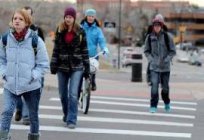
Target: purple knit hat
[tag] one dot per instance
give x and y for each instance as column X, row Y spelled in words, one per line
column 70, row 11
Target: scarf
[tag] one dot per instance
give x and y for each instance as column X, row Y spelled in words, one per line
column 20, row 36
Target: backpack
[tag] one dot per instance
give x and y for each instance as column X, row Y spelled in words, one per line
column 38, row 30
column 34, row 40
column 166, row 37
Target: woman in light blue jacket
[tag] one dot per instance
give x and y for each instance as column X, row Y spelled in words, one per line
column 21, row 67
column 94, row 36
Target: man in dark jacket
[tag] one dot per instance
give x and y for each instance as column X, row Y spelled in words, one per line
column 159, row 57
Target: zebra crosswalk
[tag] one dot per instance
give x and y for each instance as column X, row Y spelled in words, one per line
column 120, row 116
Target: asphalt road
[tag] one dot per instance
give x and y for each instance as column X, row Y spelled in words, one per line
column 118, row 118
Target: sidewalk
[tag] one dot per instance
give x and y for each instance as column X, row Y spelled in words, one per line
column 111, row 87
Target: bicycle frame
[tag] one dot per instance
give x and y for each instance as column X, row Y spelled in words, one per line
column 86, row 86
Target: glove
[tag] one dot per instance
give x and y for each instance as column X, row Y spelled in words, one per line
column 53, row 68
column 86, row 75
column 53, row 71
column 105, row 51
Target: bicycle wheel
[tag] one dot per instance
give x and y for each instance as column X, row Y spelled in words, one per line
column 86, row 96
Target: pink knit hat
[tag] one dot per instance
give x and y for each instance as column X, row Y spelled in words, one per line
column 158, row 19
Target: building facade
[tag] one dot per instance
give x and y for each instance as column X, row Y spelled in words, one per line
column 185, row 23
column 187, row 26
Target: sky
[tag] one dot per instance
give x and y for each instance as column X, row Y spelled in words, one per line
column 200, row 3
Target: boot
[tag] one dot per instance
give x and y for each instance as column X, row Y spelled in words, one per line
column 18, row 115
column 26, row 121
column 4, row 135
column 33, row 136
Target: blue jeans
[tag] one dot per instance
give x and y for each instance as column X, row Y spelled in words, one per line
column 68, row 83
column 156, row 78
column 21, row 105
column 32, row 99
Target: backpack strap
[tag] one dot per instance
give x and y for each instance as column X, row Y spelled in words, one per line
column 166, row 39
column 4, row 39
column 34, row 41
column 149, row 43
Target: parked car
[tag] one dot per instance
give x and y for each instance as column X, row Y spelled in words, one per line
column 195, row 58
column 183, row 56
column 127, row 59
column 185, row 46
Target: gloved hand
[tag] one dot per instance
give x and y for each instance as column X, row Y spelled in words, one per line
column 105, row 52
column 86, row 75
column 53, row 71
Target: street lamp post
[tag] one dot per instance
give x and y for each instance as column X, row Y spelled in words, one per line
column 119, row 34
column 182, row 29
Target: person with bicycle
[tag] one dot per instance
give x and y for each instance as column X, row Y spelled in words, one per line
column 69, row 61
column 95, row 38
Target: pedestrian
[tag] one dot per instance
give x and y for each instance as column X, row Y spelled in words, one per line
column 149, row 30
column 159, row 56
column 22, row 68
column 69, row 60
column 21, row 108
column 95, row 38
column 195, row 57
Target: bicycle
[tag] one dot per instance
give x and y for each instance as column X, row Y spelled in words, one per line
column 85, row 96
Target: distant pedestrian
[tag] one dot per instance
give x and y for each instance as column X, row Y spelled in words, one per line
column 70, row 60
column 195, row 58
column 21, row 108
column 159, row 56
column 95, row 38
column 22, row 68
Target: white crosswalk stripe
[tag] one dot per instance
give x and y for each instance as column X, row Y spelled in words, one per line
column 131, row 104
column 137, row 100
column 126, row 112
column 115, row 120
column 121, row 113
column 107, row 131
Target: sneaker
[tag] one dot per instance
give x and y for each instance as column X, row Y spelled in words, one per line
column 71, row 126
column 18, row 115
column 26, row 121
column 167, row 107
column 153, row 109
column 64, row 118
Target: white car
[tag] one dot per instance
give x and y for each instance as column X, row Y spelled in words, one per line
column 183, row 56
column 127, row 59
